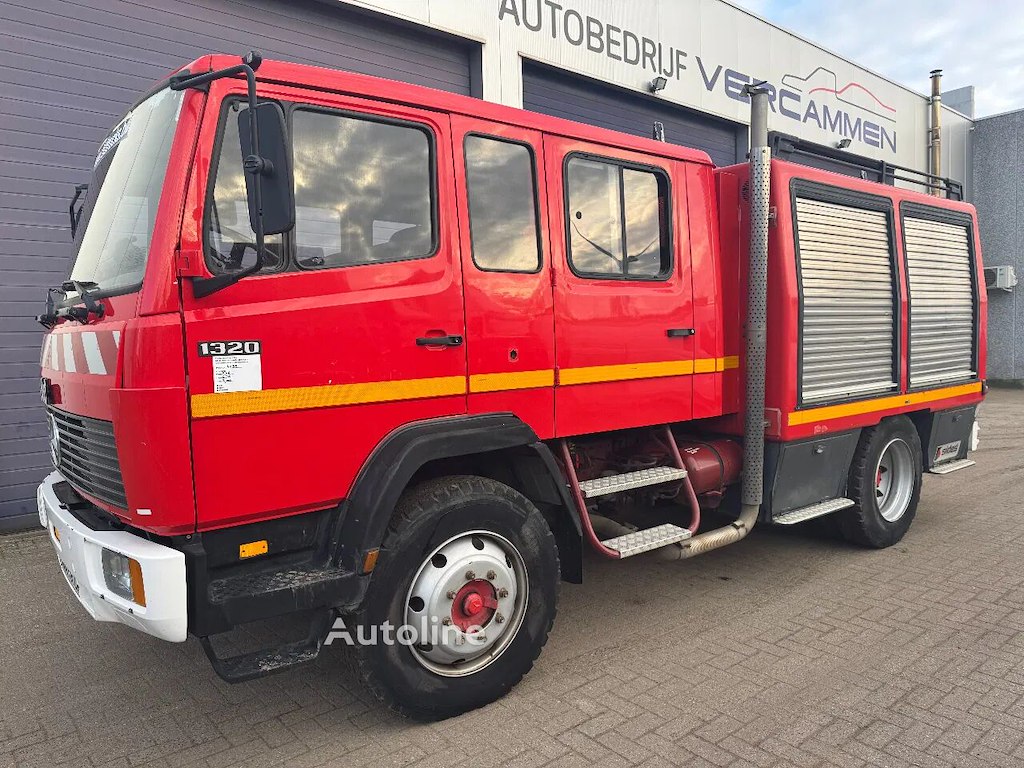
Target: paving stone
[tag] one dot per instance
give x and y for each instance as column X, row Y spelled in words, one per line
column 810, row 652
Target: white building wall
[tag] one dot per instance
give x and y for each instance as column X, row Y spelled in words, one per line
column 706, row 49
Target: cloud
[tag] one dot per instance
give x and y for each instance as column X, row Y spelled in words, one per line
column 976, row 43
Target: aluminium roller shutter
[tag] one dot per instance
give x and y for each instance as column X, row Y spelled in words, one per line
column 943, row 312
column 848, row 301
column 68, row 72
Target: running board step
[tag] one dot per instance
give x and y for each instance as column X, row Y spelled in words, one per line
column 638, row 542
column 602, row 486
column 951, row 466
column 814, row 510
column 249, row 666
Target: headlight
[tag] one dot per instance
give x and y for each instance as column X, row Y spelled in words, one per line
column 123, row 576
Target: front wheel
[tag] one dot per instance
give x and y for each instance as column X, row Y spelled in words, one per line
column 885, row 483
column 469, row 570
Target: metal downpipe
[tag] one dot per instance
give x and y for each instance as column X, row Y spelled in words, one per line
column 757, row 317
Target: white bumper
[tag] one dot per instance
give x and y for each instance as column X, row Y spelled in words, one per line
column 79, row 549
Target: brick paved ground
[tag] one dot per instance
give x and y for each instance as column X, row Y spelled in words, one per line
column 787, row 650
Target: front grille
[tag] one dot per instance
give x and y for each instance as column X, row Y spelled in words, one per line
column 86, row 455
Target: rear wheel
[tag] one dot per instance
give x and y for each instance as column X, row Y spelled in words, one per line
column 470, row 566
column 885, row 483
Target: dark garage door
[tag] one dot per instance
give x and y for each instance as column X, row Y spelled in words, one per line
column 68, row 71
column 561, row 94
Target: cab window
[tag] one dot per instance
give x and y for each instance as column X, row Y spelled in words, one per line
column 363, row 191
column 617, row 220
column 364, row 194
column 501, row 188
column 231, row 243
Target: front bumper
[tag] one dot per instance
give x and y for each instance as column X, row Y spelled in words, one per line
column 79, row 554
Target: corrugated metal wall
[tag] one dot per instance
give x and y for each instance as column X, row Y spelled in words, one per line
column 68, row 71
column 577, row 98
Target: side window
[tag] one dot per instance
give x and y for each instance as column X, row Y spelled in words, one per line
column 363, row 191
column 618, row 220
column 231, row 243
column 501, row 188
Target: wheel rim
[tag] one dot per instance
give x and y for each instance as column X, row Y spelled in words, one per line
column 467, row 602
column 894, row 480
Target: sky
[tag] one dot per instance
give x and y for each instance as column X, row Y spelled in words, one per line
column 977, row 42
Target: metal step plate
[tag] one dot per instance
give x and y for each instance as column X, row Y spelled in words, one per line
column 951, row 466
column 650, row 538
column 812, row 511
column 602, row 486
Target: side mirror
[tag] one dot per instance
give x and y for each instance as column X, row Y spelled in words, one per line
column 271, row 163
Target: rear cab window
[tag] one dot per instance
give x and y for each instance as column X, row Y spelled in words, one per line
column 501, row 188
column 617, row 217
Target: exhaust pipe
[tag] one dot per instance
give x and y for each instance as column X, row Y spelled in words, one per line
column 757, row 334
column 935, row 143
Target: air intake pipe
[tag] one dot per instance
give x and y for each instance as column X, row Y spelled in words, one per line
column 757, row 335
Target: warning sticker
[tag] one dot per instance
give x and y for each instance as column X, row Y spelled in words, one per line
column 237, row 373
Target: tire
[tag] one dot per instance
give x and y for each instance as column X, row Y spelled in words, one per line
column 478, row 523
column 885, row 484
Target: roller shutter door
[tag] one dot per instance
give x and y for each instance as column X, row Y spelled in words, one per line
column 560, row 94
column 68, row 72
column 848, row 302
column 943, row 315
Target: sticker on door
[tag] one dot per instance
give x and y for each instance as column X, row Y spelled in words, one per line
column 237, row 373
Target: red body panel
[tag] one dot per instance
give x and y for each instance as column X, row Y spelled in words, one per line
column 601, row 323
column 510, row 335
column 321, row 331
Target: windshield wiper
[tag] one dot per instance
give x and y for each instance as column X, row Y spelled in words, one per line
column 78, row 285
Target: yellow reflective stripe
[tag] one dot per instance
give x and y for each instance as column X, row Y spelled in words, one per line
column 297, row 398
column 498, row 382
column 882, row 404
column 605, row 373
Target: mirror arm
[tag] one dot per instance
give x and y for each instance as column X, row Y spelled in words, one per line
column 254, row 164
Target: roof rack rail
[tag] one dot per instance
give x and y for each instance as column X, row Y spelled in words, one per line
column 785, row 146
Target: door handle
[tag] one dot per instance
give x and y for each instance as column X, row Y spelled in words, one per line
column 439, row 341
column 679, row 333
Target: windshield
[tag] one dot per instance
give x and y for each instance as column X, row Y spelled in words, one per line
column 117, row 222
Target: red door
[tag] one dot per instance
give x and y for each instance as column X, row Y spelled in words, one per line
column 296, row 375
column 624, row 322
column 506, row 271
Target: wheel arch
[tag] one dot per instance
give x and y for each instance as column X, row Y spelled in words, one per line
column 500, row 446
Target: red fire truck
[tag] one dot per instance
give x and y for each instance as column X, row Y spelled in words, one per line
column 340, row 348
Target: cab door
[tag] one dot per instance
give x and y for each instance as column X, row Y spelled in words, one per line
column 355, row 328
column 506, row 271
column 624, row 321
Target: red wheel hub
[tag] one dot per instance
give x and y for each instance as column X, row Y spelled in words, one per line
column 474, row 605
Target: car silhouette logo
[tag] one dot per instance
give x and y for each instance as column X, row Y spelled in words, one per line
column 823, row 80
